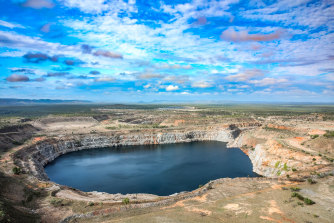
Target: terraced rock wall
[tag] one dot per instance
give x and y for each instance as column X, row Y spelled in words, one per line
column 33, row 158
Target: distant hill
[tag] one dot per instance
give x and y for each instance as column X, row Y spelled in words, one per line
column 15, row 101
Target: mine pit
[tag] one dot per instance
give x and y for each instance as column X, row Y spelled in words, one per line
column 153, row 169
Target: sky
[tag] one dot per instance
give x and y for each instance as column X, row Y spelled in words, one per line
column 178, row 51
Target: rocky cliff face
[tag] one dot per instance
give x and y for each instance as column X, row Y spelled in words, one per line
column 32, row 159
column 258, row 157
column 272, row 159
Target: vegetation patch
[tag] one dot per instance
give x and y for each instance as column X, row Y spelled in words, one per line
column 311, row 181
column 16, row 170
column 314, row 136
column 329, row 134
column 285, row 167
column 57, row 202
column 300, row 197
column 29, row 195
column 126, row 201
column 295, row 189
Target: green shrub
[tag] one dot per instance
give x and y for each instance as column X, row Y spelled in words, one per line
column 111, row 127
column 329, row 134
column 300, row 197
column 300, row 203
column 311, row 181
column 90, row 203
column 285, row 167
column 56, row 202
column 17, row 143
column 295, row 189
column 126, row 201
column 294, row 169
column 277, row 164
column 16, row 170
column 308, row 201
column 314, row 136
column 295, row 194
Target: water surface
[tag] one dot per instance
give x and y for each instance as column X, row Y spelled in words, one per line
column 154, row 169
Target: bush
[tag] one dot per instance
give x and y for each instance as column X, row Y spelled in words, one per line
column 308, row 201
column 297, row 195
column 210, row 187
column 294, row 169
column 311, row 181
column 314, row 136
column 2, row 215
column 17, row 143
column 16, row 170
column 295, row 189
column 56, row 202
column 329, row 134
column 300, row 197
column 300, row 203
column 90, row 203
column 126, row 201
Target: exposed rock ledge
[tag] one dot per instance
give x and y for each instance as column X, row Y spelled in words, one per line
column 32, row 159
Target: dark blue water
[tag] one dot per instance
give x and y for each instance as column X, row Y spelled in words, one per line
column 158, row 169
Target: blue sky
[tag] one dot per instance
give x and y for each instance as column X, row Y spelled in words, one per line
column 131, row 51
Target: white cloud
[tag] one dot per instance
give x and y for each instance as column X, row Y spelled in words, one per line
column 268, row 81
column 10, row 25
column 173, row 66
column 245, row 75
column 244, row 36
column 98, row 6
column 300, row 15
column 172, row 88
column 180, row 79
column 330, row 77
column 149, row 75
column 201, row 84
column 105, row 79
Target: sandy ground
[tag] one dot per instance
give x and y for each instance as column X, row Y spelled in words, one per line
column 241, row 200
